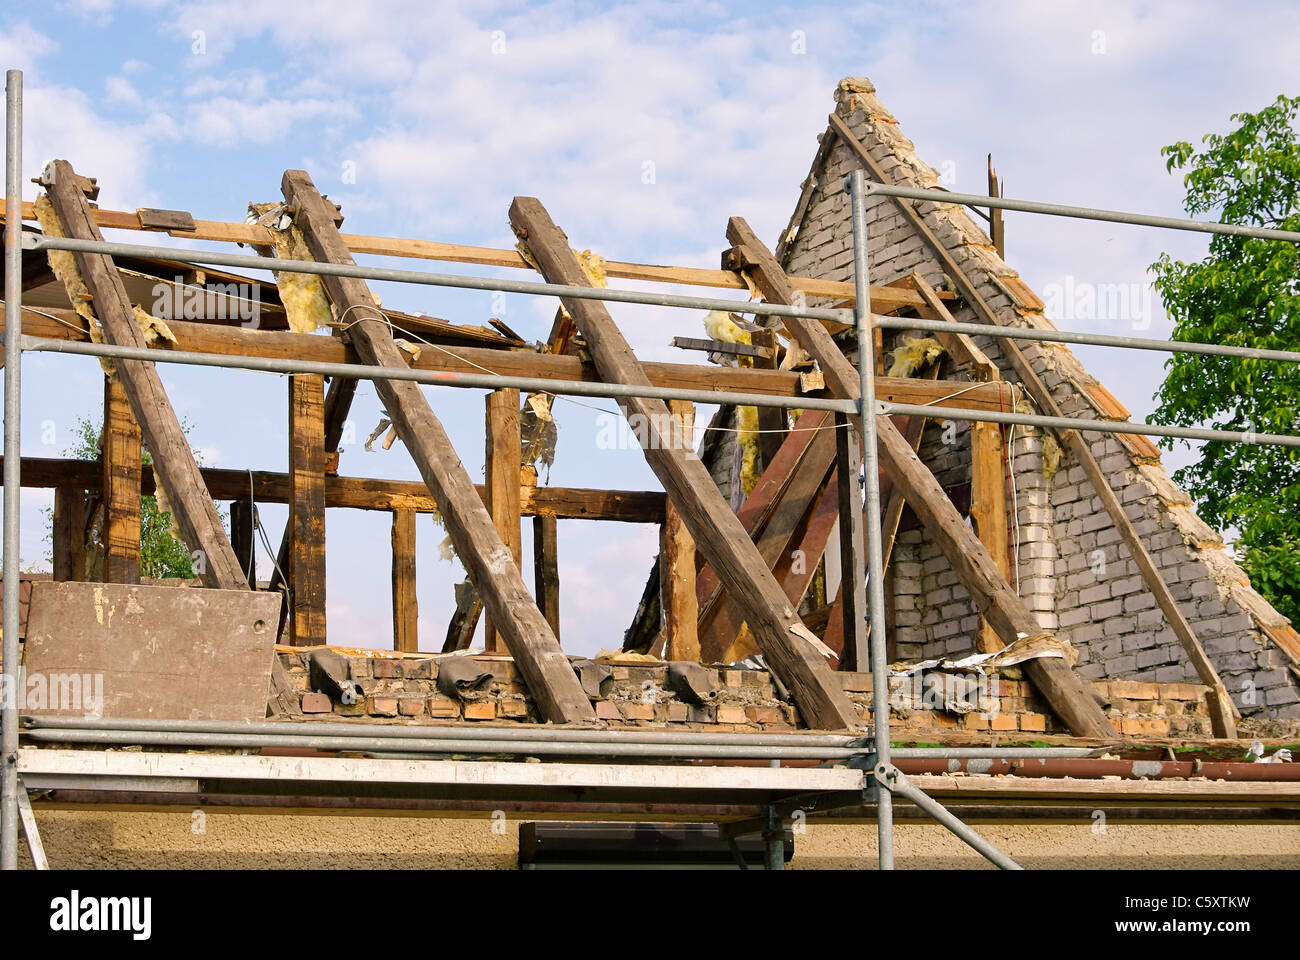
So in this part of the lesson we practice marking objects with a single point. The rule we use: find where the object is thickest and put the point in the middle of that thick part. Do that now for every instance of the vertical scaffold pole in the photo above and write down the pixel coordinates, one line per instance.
(13, 463)
(871, 510)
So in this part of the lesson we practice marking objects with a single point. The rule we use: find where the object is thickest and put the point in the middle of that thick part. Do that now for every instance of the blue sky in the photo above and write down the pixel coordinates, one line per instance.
(424, 119)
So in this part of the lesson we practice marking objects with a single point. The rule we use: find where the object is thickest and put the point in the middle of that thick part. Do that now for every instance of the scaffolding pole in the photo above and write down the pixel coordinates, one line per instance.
(875, 572)
(13, 467)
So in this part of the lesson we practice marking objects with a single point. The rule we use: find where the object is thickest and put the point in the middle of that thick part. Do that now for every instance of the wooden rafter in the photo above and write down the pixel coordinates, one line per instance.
(487, 559)
(1059, 684)
(714, 527)
(192, 508)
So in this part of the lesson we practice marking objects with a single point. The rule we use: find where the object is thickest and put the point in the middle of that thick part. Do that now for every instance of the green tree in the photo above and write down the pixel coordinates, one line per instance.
(162, 555)
(1245, 292)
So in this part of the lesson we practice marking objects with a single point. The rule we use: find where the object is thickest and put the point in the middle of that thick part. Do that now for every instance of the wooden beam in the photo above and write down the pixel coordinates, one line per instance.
(406, 613)
(120, 450)
(243, 530)
(852, 620)
(487, 559)
(677, 566)
(366, 493)
(1072, 700)
(721, 623)
(503, 479)
(238, 341)
(796, 569)
(192, 508)
(886, 297)
(764, 498)
(546, 569)
(71, 513)
(988, 509)
(306, 529)
(715, 528)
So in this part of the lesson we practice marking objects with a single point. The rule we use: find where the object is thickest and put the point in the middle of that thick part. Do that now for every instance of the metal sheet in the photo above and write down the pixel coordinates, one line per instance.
(126, 650)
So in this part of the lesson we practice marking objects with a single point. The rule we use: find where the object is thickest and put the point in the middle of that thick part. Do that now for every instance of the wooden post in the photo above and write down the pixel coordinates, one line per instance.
(406, 612)
(774, 623)
(677, 564)
(551, 681)
(121, 458)
(306, 569)
(71, 511)
(546, 569)
(177, 471)
(503, 481)
(242, 532)
(988, 509)
(853, 558)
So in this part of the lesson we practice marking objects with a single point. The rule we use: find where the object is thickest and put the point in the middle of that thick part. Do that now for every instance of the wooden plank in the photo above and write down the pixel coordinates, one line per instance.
(721, 346)
(881, 297)
(1222, 720)
(546, 569)
(120, 449)
(194, 512)
(1060, 686)
(677, 566)
(503, 479)
(988, 509)
(406, 614)
(238, 341)
(715, 528)
(306, 529)
(487, 559)
(68, 538)
(152, 218)
(151, 651)
(997, 229)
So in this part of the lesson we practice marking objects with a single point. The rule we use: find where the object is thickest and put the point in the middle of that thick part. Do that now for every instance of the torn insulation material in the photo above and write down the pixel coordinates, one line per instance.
(303, 294)
(913, 354)
(720, 326)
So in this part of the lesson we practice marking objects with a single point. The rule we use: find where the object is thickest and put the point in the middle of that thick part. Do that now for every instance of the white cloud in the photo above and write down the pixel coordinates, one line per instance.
(119, 90)
(227, 123)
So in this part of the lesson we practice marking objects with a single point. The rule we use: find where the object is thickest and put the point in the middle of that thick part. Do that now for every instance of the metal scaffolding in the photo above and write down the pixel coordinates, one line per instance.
(869, 772)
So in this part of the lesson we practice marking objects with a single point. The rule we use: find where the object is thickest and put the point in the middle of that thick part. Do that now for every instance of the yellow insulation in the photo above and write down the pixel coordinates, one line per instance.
(303, 294)
(64, 266)
(913, 354)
